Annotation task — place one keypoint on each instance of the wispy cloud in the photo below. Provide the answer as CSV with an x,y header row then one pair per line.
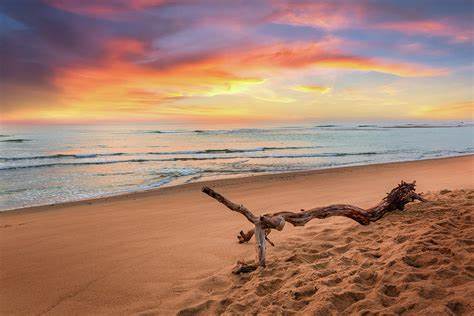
x,y
340,15
457,110
312,89
430,28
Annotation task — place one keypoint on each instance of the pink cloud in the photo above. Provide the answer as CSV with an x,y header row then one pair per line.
x,y
430,28
357,14
326,15
103,8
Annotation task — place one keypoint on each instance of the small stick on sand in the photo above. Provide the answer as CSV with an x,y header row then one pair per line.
x,y
395,200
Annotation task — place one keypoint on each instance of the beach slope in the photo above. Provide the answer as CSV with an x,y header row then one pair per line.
x,y
166,250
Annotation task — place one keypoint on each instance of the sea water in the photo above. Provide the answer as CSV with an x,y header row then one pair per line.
x,y
50,164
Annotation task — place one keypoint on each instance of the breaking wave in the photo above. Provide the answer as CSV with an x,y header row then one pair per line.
x,y
291,156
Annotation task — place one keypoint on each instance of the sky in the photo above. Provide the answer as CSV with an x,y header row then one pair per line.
x,y
235,61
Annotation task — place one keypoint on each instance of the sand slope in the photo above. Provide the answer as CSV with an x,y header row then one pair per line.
x,y
147,253
416,262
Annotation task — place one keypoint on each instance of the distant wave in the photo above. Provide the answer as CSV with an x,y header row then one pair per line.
x,y
228,150
332,127
184,152
327,125
232,131
165,132
14,140
142,160
407,125
212,131
374,127
57,156
423,126
198,131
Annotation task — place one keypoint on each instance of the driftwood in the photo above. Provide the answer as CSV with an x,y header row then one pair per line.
x,y
395,200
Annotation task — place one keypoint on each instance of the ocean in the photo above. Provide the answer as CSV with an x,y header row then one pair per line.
x,y
49,164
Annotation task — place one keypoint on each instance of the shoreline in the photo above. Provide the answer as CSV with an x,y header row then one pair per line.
x,y
150,252
132,194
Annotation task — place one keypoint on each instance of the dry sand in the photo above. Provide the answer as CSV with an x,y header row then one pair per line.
x,y
416,262
166,250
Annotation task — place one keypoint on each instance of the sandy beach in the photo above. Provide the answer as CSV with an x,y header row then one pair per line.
x,y
172,249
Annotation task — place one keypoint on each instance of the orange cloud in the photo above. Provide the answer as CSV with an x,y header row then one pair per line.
x,y
123,85
121,47
299,55
459,110
401,69
116,85
312,88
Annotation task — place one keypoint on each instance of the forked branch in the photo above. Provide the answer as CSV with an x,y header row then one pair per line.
x,y
397,198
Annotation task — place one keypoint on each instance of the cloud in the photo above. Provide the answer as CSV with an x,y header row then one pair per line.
x,y
115,82
322,14
31,52
463,110
431,28
401,69
398,17
417,48
312,88
67,58
105,8
301,55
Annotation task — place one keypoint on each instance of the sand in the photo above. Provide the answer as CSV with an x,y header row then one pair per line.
x,y
172,249
416,262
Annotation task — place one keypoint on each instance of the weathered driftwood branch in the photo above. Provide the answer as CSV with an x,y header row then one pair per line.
x,y
396,199
245,237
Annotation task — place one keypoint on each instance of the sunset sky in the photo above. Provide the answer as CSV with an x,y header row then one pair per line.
x,y
216,61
